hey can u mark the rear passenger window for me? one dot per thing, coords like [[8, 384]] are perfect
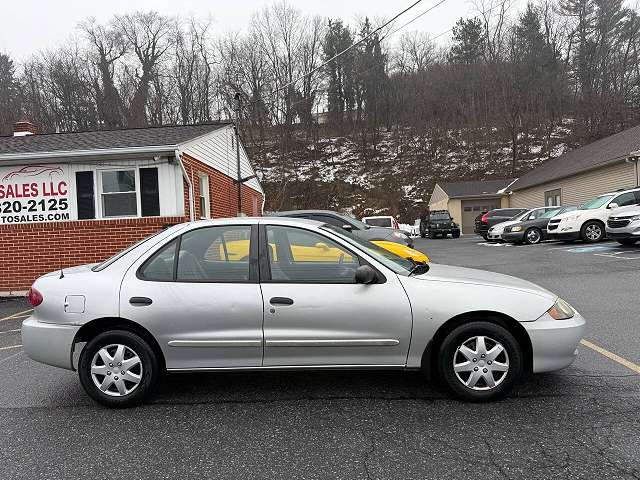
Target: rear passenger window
[[161, 266], [215, 254]]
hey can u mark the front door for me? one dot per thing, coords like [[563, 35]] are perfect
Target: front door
[[206, 306], [315, 313]]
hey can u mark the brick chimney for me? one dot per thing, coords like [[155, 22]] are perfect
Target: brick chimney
[[23, 128]]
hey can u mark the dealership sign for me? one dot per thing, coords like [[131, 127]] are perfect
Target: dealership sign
[[34, 193]]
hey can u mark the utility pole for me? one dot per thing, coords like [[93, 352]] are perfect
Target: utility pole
[[237, 131]]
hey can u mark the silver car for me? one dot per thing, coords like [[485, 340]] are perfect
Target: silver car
[[282, 293]]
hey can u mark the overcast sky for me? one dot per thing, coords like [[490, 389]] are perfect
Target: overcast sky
[[32, 25]]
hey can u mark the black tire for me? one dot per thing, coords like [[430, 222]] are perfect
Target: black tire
[[486, 237], [627, 241], [536, 236], [592, 226], [447, 355], [423, 235], [148, 363], [432, 235], [455, 235]]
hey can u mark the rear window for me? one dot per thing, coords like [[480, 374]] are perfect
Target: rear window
[[378, 222]]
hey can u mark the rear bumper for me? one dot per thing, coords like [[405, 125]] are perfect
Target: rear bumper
[[49, 343], [554, 342]]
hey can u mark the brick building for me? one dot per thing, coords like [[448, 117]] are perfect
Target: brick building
[[74, 198]]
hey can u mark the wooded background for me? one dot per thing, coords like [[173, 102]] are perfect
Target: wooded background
[[373, 130]]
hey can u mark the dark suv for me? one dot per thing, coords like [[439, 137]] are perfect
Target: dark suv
[[486, 220], [439, 222]]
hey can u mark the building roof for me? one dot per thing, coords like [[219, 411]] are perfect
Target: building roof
[[597, 154], [477, 188], [105, 139]]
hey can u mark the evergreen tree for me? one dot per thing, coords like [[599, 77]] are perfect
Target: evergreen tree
[[9, 94], [468, 42]]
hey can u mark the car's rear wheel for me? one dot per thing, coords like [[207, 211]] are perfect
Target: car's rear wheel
[[533, 236], [480, 361], [118, 369], [627, 241], [592, 232]]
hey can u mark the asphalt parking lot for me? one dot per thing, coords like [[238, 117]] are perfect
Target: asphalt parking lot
[[579, 423]]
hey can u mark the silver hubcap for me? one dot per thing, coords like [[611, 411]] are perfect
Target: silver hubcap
[[481, 363], [116, 370], [593, 232], [533, 236]]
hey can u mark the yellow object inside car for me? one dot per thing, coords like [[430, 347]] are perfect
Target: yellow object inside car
[[238, 250], [403, 251]]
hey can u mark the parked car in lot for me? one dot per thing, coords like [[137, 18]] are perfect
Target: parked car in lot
[[494, 234], [587, 223], [532, 227], [393, 240], [623, 225], [178, 301], [439, 223], [384, 221], [486, 220]]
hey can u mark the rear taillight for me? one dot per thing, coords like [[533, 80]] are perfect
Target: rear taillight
[[35, 297], [485, 217]]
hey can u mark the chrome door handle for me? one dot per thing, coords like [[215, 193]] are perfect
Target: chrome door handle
[[281, 301]]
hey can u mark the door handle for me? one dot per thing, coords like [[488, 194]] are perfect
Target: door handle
[[281, 301], [140, 301]]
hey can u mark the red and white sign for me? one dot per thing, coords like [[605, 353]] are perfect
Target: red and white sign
[[34, 193]]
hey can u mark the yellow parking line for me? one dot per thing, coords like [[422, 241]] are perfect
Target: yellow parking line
[[612, 356], [9, 348], [16, 315]]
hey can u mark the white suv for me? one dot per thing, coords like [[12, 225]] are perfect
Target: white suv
[[495, 233], [589, 220], [623, 224]]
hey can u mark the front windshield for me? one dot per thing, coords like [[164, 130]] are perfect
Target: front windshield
[[595, 202], [390, 260], [440, 216], [521, 216]]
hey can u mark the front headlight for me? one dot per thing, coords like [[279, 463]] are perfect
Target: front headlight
[[572, 218], [516, 228], [637, 217], [561, 310]]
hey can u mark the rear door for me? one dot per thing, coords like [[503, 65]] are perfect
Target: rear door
[[200, 298], [315, 313]]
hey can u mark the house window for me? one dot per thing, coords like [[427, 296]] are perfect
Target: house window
[[553, 198], [119, 197], [149, 192], [204, 196], [85, 200]]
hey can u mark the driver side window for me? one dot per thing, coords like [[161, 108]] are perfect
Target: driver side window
[[302, 256]]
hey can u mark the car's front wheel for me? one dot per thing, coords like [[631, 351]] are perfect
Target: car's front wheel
[[533, 236], [118, 369], [592, 232], [480, 361]]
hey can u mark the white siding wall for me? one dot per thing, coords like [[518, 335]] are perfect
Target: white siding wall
[[439, 199], [579, 188], [218, 150]]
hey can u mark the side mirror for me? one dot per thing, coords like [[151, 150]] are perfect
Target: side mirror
[[366, 275], [613, 205], [347, 227]]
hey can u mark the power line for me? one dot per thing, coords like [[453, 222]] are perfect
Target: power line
[[337, 55], [414, 19]]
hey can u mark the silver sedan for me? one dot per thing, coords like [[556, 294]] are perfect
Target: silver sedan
[[279, 293]]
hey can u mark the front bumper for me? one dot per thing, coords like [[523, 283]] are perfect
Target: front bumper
[[513, 237], [493, 235], [630, 231], [49, 343], [554, 342]]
